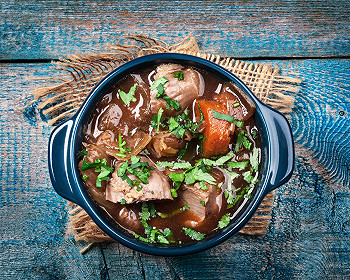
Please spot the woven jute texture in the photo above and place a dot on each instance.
(82, 72)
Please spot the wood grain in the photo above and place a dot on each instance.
(308, 238)
(46, 29)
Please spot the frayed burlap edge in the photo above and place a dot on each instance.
(82, 72)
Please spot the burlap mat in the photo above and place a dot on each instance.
(82, 72)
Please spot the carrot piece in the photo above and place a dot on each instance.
(216, 132)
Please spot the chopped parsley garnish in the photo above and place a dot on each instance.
(203, 186)
(183, 152)
(177, 177)
(160, 81)
(173, 193)
(224, 117)
(121, 145)
(82, 153)
(159, 85)
(202, 202)
(224, 221)
(179, 75)
(239, 164)
(175, 128)
(242, 140)
(159, 118)
(182, 122)
(235, 105)
(196, 175)
(223, 159)
(254, 133)
(239, 123)
(167, 232)
(101, 166)
(254, 159)
(85, 177)
(141, 170)
(122, 201)
(229, 192)
(103, 176)
(228, 118)
(128, 97)
(195, 235)
(249, 178)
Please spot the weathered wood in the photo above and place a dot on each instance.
(308, 238)
(50, 29)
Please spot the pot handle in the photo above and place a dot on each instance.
(281, 149)
(59, 160)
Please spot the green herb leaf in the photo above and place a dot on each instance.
(145, 215)
(171, 102)
(239, 123)
(224, 221)
(128, 97)
(159, 117)
(183, 152)
(161, 239)
(195, 235)
(152, 209)
(177, 177)
(122, 201)
(224, 117)
(242, 140)
(141, 238)
(160, 81)
(202, 202)
(182, 165)
(173, 192)
(240, 164)
(165, 164)
(175, 128)
(186, 207)
(134, 159)
(85, 177)
(198, 175)
(179, 75)
(122, 169)
(221, 160)
(254, 159)
(235, 105)
(167, 232)
(82, 153)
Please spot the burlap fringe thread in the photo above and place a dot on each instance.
(61, 101)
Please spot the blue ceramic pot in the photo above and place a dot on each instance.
(65, 143)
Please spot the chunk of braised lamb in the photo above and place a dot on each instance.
(129, 219)
(157, 188)
(229, 97)
(165, 144)
(194, 197)
(183, 91)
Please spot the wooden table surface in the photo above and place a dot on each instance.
(309, 234)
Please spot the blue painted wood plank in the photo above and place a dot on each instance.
(32, 217)
(50, 29)
(308, 238)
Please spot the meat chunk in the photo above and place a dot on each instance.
(192, 195)
(231, 95)
(157, 188)
(165, 144)
(129, 219)
(183, 91)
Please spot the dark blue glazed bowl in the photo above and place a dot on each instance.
(65, 143)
